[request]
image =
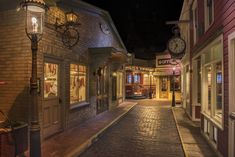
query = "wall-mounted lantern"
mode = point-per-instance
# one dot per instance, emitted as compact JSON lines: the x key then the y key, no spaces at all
{"x":69,"y":29}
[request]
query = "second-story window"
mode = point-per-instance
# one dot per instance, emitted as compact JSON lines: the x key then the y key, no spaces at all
{"x":209,"y":13}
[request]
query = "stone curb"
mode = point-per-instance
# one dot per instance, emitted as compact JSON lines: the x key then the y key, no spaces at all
{"x":80,"y":149}
{"x":178,"y":130}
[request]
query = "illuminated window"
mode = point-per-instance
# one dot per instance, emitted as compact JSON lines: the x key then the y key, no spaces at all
{"x":129,"y":78}
{"x":50,"y":80}
{"x":213,"y":83}
{"x":137,"y":78}
{"x":218,"y":108}
{"x":208,"y":73}
{"x":77,"y":83}
{"x":164,"y":81}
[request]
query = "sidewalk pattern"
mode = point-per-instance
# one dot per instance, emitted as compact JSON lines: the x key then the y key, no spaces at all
{"x":194,"y":143}
{"x":74,"y":141}
{"x":146,"y":131}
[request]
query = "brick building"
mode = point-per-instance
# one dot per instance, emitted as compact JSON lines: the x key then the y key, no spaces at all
{"x":208,"y":69}
{"x":74,"y":84}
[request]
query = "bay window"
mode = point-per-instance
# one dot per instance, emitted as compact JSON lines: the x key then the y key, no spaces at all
{"x":213,"y":83}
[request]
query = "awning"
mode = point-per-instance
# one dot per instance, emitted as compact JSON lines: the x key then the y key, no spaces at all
{"x":100,"y":57}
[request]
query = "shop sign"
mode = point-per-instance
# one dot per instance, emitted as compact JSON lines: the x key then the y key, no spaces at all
{"x":164,"y":61}
{"x":139,"y":68}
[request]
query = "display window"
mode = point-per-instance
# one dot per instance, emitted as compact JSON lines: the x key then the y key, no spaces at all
{"x":164,"y":81}
{"x":208,"y":74}
{"x":129,"y":79}
{"x":137,"y":78}
{"x":77,"y":83}
{"x":213,"y":84}
{"x":218,"y":73}
{"x":50,"y":80}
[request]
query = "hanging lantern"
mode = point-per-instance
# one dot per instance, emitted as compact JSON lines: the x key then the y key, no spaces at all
{"x":35,"y":11}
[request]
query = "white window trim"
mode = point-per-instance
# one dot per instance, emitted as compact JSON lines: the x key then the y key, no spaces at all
{"x":210,"y":117}
{"x":206,"y":16}
{"x":231,"y":60}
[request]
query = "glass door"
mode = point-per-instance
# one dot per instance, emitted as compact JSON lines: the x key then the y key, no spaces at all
{"x":51,"y":104}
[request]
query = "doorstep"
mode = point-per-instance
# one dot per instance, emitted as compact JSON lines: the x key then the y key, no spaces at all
{"x":72,"y":142}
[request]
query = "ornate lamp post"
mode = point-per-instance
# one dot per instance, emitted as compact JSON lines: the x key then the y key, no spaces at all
{"x":35,"y":10}
{"x":173,"y":91}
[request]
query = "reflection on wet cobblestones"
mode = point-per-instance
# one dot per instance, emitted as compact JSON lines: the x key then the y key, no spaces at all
{"x":146,"y":131}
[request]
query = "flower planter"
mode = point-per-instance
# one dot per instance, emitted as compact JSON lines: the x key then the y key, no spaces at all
{"x":13,"y":140}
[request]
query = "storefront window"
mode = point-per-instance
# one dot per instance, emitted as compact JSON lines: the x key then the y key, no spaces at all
{"x":137,"y":78}
{"x":129,"y":79}
{"x":77,"y":83}
{"x":50,"y":80}
{"x":218,"y":109}
{"x":164,"y":83}
{"x":208,"y":71}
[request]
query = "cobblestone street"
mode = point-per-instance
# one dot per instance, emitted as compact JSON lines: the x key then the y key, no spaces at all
{"x":146,"y":131}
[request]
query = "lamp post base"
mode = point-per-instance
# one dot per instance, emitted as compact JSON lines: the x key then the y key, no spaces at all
{"x":173,"y":101}
{"x":35,"y":143}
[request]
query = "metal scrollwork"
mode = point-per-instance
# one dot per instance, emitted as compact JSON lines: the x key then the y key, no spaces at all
{"x":70,"y":37}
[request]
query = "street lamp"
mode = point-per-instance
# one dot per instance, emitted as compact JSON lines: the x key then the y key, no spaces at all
{"x":35,"y":10}
{"x":150,"y":90}
{"x":173,"y":91}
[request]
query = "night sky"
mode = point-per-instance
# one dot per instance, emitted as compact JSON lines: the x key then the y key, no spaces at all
{"x":141,"y":23}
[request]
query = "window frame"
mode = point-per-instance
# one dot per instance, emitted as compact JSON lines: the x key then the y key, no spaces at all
{"x":78,"y":103}
{"x":206,"y":14}
{"x":213,"y":61}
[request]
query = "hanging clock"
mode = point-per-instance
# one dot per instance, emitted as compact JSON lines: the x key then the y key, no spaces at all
{"x":176,"y":45}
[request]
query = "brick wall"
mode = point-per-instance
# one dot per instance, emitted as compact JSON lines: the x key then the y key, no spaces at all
{"x":15,"y":61}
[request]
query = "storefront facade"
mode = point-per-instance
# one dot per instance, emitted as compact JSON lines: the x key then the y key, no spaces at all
{"x":72,"y":88}
{"x":140,"y":82}
{"x":164,"y":78}
{"x":211,"y":64}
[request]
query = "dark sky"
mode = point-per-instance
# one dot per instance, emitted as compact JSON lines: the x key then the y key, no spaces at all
{"x":141,"y":23}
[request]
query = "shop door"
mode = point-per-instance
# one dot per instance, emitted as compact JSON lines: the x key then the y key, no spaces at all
{"x":231,"y":96}
{"x":51,"y":104}
{"x":102,"y":91}
{"x":163,"y":91}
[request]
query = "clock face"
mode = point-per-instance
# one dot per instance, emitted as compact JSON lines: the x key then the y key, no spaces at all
{"x":176,"y":45}
{"x":104,"y":28}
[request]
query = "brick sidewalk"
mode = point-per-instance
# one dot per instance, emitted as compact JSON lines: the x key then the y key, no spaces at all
{"x":194,"y":143}
{"x":74,"y":141}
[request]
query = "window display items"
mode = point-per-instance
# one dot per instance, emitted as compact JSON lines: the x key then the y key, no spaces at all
{"x":50,"y":80}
